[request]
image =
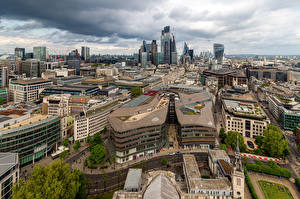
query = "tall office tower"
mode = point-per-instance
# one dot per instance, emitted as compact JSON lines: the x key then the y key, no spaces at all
{"x":153,"y":52}
{"x":159,"y":58}
{"x":144,"y":48}
{"x":39,"y":52}
{"x":191,"y":53}
{"x":20,"y":52}
{"x":219,"y":52}
{"x":168,"y":45}
{"x":3,"y":76}
{"x":173,"y":45}
{"x":165,"y":44}
{"x":149,"y":52}
{"x":144,"y":59}
{"x":85,"y":53}
{"x":33,"y":67}
{"x":173,"y":57}
{"x":185,"y":49}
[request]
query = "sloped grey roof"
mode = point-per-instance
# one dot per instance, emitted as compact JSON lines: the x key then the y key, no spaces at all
{"x":7,"y":161}
{"x":161,"y":188}
{"x":133,"y":179}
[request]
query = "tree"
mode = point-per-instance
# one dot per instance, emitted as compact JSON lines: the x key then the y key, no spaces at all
{"x":137,"y":91}
{"x":164,"y":161}
{"x":274,"y":143}
{"x":64,"y":154}
{"x":223,"y":147}
{"x":259,"y":141}
{"x":76,"y":145}
{"x":65,"y":142}
{"x":97,"y":154}
{"x":52,"y":182}
{"x":2,"y":101}
{"x":89,"y":139}
{"x":298,"y":147}
{"x":104,"y":130}
{"x":222,"y":135}
{"x":231,"y":141}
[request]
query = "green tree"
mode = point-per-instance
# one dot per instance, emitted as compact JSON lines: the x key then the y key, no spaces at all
{"x":223,"y":147}
{"x":231,"y":141}
{"x":65,"y":142}
{"x":2,"y":101}
{"x":97,"y":154}
{"x":64,"y":154}
{"x":89,"y":139}
{"x":137,"y":91}
{"x":76,"y":145}
{"x":52,"y":181}
{"x":164,"y":161}
{"x":104,"y":130}
{"x":298,"y":147}
{"x":222,"y":135}
{"x":274,"y":143}
{"x":259,"y":141}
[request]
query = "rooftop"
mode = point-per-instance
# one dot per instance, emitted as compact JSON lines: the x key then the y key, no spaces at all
{"x":35,"y":118}
{"x":150,"y":114}
{"x":133,"y":179}
{"x":7,"y":161}
{"x":244,"y":109}
{"x":192,"y":170}
{"x":30,"y":81}
{"x":218,"y":154}
{"x":195,"y":109}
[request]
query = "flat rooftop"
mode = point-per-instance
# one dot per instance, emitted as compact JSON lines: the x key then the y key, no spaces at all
{"x":30,"y":81}
{"x":195,"y":109}
{"x":244,"y":109}
{"x":33,"y":119}
{"x":191,"y":166}
{"x":133,"y":179}
{"x":218,"y":154}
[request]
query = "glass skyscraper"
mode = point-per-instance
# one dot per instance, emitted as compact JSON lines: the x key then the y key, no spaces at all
{"x":219,"y":52}
{"x":168,"y":45}
{"x":39,"y":52}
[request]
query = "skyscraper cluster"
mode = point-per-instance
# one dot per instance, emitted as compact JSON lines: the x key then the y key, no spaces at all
{"x":187,"y":55}
{"x":168,"y":46}
{"x":167,"y":55}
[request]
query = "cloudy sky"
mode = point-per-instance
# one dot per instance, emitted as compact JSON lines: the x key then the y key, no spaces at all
{"x":119,"y":26}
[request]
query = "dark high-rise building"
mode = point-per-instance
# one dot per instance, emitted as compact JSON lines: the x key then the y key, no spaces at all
{"x":191,"y":53}
{"x":33,"y":67}
{"x":29,"y":56}
{"x":153,"y":52}
{"x":185,"y":49}
{"x":85,"y":53}
{"x":168,"y":45}
{"x":219,"y":52}
{"x":20,"y":52}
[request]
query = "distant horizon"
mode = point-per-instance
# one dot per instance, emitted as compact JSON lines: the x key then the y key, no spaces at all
{"x":118,"y":27}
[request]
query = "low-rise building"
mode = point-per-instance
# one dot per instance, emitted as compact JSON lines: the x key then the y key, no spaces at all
{"x":31,"y":137}
{"x":138,"y":128}
{"x":9,"y":173}
{"x":27,"y":90}
{"x":93,"y":119}
{"x":246,"y":117}
{"x":196,"y":122}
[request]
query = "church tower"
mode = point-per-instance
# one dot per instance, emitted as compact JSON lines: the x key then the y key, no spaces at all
{"x":238,"y":178}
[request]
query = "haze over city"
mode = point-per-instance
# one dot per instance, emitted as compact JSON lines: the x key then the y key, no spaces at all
{"x":115,"y":27}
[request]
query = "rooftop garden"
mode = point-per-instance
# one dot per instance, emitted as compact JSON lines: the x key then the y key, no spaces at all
{"x":286,"y":101}
{"x":199,"y":106}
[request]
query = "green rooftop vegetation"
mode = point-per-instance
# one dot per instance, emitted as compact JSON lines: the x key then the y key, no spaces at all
{"x":265,"y":85}
{"x":286,"y":101}
{"x":191,"y":113}
{"x":199,"y":106}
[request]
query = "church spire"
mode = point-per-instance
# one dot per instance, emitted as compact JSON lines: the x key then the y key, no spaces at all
{"x":238,"y":160}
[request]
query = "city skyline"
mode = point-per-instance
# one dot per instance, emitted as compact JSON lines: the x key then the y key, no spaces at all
{"x":116,"y":28}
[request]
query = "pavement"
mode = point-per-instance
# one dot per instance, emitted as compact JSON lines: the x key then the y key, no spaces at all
{"x":255,"y":177}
